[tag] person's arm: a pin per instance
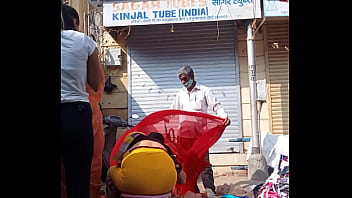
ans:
(94, 69)
(216, 106)
(174, 104)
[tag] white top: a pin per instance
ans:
(75, 49)
(198, 100)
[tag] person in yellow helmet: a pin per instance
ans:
(145, 166)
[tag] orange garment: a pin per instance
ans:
(98, 132)
(95, 173)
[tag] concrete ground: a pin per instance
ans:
(231, 177)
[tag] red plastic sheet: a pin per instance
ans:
(188, 134)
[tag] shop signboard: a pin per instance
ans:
(275, 8)
(134, 12)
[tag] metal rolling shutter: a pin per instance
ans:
(155, 54)
(278, 58)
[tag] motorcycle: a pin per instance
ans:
(112, 123)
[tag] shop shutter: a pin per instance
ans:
(278, 60)
(155, 55)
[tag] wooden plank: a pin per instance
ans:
(120, 82)
(116, 71)
(114, 100)
(123, 113)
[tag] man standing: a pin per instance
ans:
(198, 98)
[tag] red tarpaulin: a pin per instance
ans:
(188, 134)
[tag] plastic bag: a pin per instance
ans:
(108, 85)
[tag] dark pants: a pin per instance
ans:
(77, 147)
(207, 176)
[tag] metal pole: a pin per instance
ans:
(257, 166)
(252, 88)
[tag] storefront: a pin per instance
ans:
(277, 53)
(155, 54)
(165, 35)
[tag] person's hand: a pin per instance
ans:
(181, 177)
(227, 122)
(166, 119)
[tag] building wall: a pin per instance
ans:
(115, 102)
(82, 7)
(223, 162)
(244, 80)
(277, 56)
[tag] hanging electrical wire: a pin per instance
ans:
(217, 23)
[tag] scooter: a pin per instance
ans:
(110, 131)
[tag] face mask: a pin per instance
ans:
(188, 84)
